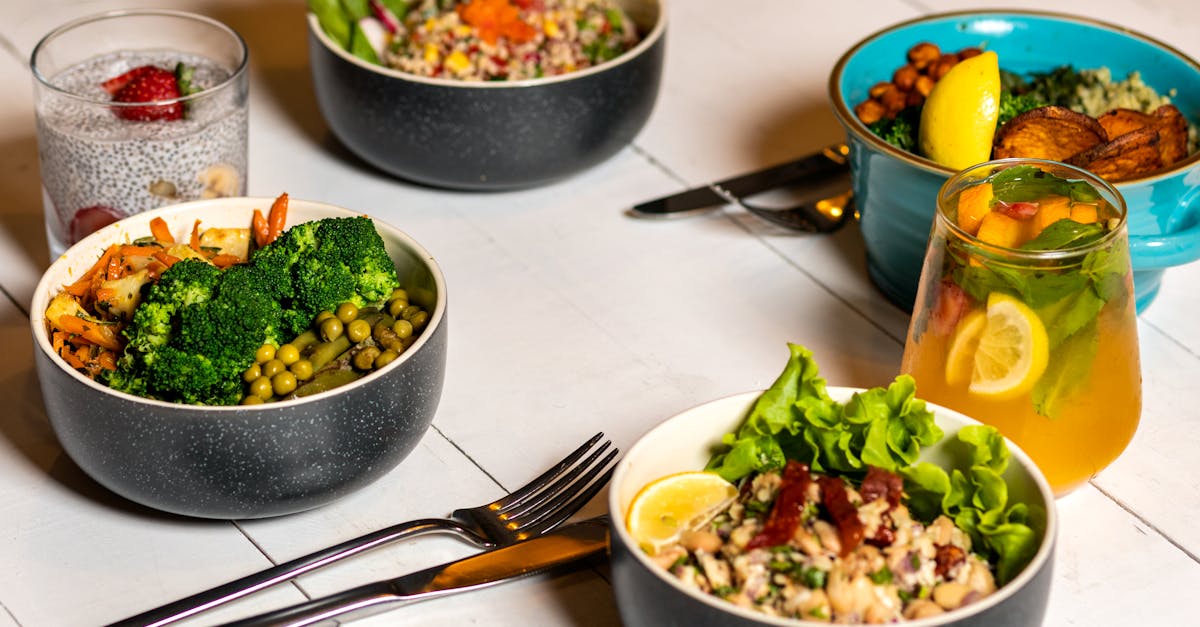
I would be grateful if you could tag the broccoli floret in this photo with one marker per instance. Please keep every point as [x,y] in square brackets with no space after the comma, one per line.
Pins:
[901,130]
[1012,105]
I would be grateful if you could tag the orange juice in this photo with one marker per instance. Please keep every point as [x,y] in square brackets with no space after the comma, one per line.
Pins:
[1025,314]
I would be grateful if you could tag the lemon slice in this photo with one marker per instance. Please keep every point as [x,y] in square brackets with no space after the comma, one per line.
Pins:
[958,120]
[960,360]
[1013,350]
[668,506]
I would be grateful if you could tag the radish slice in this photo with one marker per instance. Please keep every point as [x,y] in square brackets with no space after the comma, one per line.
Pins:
[386,17]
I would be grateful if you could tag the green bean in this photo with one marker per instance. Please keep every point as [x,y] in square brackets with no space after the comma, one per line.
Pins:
[326,352]
[304,340]
[326,380]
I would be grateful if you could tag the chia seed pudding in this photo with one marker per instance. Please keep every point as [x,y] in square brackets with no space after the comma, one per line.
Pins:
[97,168]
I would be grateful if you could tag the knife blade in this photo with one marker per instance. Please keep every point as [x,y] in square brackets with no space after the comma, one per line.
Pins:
[831,160]
[568,544]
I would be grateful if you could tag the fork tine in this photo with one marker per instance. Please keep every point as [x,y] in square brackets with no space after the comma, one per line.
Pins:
[536,485]
[536,498]
[570,502]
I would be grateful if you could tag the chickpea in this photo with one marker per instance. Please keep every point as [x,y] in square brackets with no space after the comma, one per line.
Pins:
[914,97]
[303,369]
[346,312]
[365,358]
[385,358]
[894,101]
[265,353]
[943,65]
[905,76]
[923,54]
[924,85]
[331,329]
[288,354]
[272,368]
[252,373]
[261,387]
[967,53]
[950,594]
[283,383]
[922,608]
[877,89]
[701,540]
[870,111]
[358,330]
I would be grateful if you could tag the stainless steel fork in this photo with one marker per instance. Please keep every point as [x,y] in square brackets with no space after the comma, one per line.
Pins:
[533,509]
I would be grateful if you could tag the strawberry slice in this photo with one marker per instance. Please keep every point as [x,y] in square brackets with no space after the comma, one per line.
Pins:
[146,84]
[91,219]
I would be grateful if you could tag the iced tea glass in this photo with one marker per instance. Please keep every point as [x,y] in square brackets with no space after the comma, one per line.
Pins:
[105,155]
[1025,314]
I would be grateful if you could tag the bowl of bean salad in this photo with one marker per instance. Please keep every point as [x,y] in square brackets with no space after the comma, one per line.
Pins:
[800,543]
[331,402]
[488,94]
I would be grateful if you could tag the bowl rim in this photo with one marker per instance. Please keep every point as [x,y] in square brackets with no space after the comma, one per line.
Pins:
[1031,570]
[854,126]
[96,241]
[647,42]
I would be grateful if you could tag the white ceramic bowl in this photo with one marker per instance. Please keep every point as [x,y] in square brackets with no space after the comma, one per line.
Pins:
[648,595]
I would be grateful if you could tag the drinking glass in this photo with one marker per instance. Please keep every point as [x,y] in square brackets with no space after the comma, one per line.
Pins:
[1025,315]
[103,160]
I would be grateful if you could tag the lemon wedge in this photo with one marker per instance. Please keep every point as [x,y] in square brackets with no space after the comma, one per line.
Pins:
[960,360]
[958,120]
[1013,350]
[671,505]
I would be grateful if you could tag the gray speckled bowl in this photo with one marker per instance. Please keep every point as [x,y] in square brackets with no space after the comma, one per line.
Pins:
[649,596]
[489,135]
[253,461]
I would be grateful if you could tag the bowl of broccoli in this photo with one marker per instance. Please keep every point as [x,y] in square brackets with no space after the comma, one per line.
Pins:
[206,360]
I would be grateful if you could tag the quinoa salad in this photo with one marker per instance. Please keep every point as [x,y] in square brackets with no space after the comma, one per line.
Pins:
[843,555]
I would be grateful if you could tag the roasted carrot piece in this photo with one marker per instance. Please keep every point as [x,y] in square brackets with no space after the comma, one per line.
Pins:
[258,226]
[98,334]
[107,360]
[167,260]
[105,293]
[194,242]
[224,260]
[83,285]
[70,358]
[160,231]
[135,250]
[115,268]
[277,217]
[155,268]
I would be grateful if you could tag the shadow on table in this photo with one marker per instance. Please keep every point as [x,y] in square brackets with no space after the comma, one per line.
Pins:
[21,209]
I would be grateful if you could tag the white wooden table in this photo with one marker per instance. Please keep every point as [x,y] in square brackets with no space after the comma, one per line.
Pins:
[568,318]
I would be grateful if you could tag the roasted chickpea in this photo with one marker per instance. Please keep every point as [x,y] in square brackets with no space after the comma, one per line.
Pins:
[923,86]
[943,65]
[905,76]
[346,312]
[923,55]
[870,111]
[967,53]
[877,89]
[365,358]
[288,354]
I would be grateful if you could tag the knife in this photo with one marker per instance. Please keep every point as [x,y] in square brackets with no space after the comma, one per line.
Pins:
[568,544]
[831,160]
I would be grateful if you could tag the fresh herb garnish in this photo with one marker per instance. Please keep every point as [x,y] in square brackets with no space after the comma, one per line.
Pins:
[900,130]
[1024,183]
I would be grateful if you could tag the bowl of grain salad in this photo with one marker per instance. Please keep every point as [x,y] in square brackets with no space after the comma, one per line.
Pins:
[1069,87]
[724,515]
[486,94]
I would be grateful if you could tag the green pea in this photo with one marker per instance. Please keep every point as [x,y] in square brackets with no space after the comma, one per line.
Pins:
[358,330]
[385,358]
[399,294]
[303,369]
[409,311]
[346,312]
[419,319]
[331,329]
[252,373]
[396,306]
[272,368]
[283,383]
[252,399]
[288,354]
[261,387]
[386,337]
[265,353]
[322,317]
[365,358]
[403,328]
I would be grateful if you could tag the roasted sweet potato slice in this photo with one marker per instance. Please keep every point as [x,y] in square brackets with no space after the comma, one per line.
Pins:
[1120,121]
[1172,134]
[1050,132]
[1127,156]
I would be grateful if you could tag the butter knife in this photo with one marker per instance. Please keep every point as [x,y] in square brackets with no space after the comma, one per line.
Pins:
[570,543]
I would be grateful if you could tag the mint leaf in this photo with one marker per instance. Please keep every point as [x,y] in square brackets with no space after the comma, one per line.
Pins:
[1065,234]
[1026,183]
[1073,361]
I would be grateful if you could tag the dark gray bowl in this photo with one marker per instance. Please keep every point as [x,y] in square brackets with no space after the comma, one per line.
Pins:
[489,135]
[649,596]
[253,461]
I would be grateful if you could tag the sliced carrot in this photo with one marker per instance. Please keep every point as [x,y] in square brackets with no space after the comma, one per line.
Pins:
[115,269]
[195,240]
[160,231]
[225,260]
[155,269]
[137,250]
[98,334]
[166,259]
[82,285]
[105,294]
[70,358]
[277,217]
[258,225]
[107,360]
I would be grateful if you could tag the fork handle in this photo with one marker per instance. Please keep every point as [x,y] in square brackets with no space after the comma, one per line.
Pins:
[238,588]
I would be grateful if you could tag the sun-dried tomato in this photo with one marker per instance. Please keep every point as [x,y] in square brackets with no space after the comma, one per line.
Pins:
[788,510]
[947,557]
[845,516]
[882,484]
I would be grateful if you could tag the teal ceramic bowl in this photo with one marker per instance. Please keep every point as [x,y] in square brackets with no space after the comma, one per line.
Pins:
[895,190]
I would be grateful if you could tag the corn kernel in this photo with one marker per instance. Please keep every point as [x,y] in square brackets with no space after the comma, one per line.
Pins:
[462,30]
[430,24]
[550,27]
[457,61]
[431,53]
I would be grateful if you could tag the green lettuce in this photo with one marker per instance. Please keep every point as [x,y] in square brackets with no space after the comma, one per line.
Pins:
[885,427]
